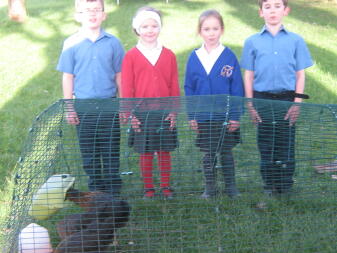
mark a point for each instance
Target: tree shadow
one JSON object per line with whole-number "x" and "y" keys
{"x": 324, "y": 64}
{"x": 247, "y": 12}
{"x": 11, "y": 113}
{"x": 305, "y": 12}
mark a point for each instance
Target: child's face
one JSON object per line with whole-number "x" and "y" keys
{"x": 273, "y": 11}
{"x": 211, "y": 31}
{"x": 149, "y": 31}
{"x": 91, "y": 15}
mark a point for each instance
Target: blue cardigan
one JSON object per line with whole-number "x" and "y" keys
{"x": 224, "y": 78}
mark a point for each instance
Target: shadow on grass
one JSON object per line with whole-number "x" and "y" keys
{"x": 247, "y": 11}
{"x": 44, "y": 88}
{"x": 18, "y": 113}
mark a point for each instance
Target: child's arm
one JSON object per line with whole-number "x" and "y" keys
{"x": 300, "y": 84}
{"x": 249, "y": 93}
{"x": 68, "y": 89}
{"x": 236, "y": 89}
{"x": 249, "y": 80}
{"x": 175, "y": 88}
{"x": 118, "y": 78}
{"x": 294, "y": 111}
{"x": 68, "y": 85}
{"x": 174, "y": 91}
{"x": 189, "y": 91}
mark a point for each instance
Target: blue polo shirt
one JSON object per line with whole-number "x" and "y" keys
{"x": 275, "y": 59}
{"x": 93, "y": 64}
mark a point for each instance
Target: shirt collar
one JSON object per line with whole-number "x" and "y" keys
{"x": 215, "y": 51}
{"x": 143, "y": 48}
{"x": 102, "y": 34}
{"x": 265, "y": 29}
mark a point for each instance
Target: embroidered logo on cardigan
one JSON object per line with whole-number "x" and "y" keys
{"x": 227, "y": 71}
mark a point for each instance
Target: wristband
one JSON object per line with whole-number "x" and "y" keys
{"x": 299, "y": 95}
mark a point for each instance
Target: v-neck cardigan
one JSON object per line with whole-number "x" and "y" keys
{"x": 224, "y": 78}
{"x": 141, "y": 79}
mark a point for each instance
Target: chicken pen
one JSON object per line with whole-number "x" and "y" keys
{"x": 206, "y": 192}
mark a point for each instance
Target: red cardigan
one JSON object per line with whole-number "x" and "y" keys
{"x": 140, "y": 79}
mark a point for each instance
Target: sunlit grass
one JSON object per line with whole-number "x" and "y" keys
{"x": 29, "y": 53}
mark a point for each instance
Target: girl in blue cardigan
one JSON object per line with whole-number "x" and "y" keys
{"x": 214, "y": 69}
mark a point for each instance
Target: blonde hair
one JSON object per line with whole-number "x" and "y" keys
{"x": 79, "y": 2}
{"x": 210, "y": 13}
{"x": 285, "y": 3}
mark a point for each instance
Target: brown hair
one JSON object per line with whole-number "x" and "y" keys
{"x": 285, "y": 3}
{"x": 207, "y": 14}
{"x": 146, "y": 8}
{"x": 78, "y": 3}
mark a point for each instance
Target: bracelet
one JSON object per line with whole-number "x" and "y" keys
{"x": 299, "y": 95}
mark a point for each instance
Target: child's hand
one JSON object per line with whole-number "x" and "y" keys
{"x": 254, "y": 115}
{"x": 233, "y": 125}
{"x": 72, "y": 118}
{"x": 123, "y": 117}
{"x": 193, "y": 125}
{"x": 135, "y": 123}
{"x": 292, "y": 114}
{"x": 172, "y": 118}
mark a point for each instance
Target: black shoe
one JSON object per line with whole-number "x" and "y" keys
{"x": 269, "y": 192}
{"x": 232, "y": 192}
{"x": 167, "y": 193}
{"x": 207, "y": 195}
{"x": 149, "y": 194}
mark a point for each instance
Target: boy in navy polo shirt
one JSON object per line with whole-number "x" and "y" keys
{"x": 274, "y": 61}
{"x": 91, "y": 65}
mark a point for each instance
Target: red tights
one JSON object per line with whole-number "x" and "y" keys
{"x": 164, "y": 164}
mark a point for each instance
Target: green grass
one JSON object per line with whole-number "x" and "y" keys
{"x": 304, "y": 222}
{"x": 29, "y": 53}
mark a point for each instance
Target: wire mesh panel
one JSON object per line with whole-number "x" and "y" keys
{"x": 182, "y": 174}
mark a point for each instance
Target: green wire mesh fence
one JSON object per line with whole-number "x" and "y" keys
{"x": 176, "y": 175}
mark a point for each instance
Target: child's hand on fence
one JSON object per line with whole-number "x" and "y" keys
{"x": 233, "y": 125}
{"x": 193, "y": 124}
{"x": 254, "y": 115}
{"x": 292, "y": 114}
{"x": 172, "y": 118}
{"x": 135, "y": 123}
{"x": 124, "y": 117}
{"x": 72, "y": 118}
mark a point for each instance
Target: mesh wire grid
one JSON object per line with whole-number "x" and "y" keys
{"x": 134, "y": 176}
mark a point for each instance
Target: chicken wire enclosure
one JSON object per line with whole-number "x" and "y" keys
{"x": 90, "y": 187}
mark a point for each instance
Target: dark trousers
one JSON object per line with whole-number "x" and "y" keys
{"x": 276, "y": 142}
{"x": 216, "y": 142}
{"x": 99, "y": 139}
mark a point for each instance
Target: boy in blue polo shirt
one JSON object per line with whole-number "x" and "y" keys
{"x": 91, "y": 65}
{"x": 274, "y": 61}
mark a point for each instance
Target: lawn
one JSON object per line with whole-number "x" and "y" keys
{"x": 29, "y": 54}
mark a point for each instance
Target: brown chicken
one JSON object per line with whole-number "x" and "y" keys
{"x": 92, "y": 230}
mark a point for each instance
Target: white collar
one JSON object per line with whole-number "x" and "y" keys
{"x": 208, "y": 59}
{"x": 152, "y": 54}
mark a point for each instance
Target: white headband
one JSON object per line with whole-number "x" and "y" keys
{"x": 139, "y": 19}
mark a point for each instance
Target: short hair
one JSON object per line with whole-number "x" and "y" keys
{"x": 146, "y": 8}
{"x": 285, "y": 3}
{"x": 79, "y": 2}
{"x": 210, "y": 13}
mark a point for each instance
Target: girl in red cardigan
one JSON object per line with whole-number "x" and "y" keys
{"x": 149, "y": 70}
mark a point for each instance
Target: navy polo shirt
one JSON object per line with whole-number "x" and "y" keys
{"x": 93, "y": 64}
{"x": 275, "y": 59}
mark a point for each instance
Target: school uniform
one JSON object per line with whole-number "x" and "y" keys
{"x": 151, "y": 80}
{"x": 94, "y": 66}
{"x": 275, "y": 61}
{"x": 211, "y": 74}
{"x": 151, "y": 73}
